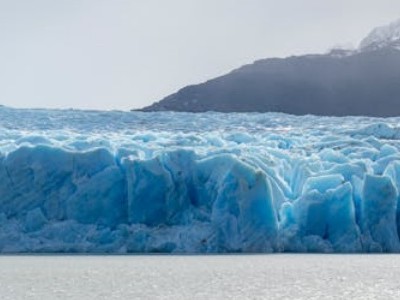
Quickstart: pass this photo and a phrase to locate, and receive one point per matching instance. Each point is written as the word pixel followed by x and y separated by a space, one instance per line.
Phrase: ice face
pixel 90 181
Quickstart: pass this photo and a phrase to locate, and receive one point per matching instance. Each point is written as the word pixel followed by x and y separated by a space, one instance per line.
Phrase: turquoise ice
pixel 123 182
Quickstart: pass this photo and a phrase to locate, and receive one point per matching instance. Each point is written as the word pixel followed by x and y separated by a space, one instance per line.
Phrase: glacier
pixel 75 181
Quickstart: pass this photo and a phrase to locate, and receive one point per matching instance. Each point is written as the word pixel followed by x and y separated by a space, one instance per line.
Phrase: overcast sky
pixel 122 54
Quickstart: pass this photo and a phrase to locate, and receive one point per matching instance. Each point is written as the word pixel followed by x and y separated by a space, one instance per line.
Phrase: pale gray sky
pixel 122 54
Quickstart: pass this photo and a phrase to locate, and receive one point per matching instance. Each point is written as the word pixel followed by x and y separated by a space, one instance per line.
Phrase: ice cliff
pixel 90 181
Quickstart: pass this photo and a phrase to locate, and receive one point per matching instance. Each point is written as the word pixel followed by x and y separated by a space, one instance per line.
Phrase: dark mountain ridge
pixel 360 82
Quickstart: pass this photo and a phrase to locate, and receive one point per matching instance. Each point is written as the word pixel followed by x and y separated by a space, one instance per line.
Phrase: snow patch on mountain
pixel 382 37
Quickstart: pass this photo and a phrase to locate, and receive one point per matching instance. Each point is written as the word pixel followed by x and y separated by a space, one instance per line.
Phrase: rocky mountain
pixel 382 37
pixel 365 81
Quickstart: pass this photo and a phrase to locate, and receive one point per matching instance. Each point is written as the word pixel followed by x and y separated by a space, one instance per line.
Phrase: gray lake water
pixel 200 277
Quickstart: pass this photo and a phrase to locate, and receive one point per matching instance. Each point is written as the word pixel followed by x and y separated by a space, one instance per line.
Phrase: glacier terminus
pixel 133 182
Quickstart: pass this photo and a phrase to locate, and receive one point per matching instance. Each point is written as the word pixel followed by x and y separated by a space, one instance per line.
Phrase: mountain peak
pixel 382 37
pixel 342 82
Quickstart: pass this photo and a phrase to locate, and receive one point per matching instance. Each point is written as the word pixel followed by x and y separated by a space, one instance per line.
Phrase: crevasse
pixel 118 182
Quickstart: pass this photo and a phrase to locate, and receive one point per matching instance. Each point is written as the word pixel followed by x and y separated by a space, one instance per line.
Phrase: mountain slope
pixel 381 37
pixel 361 82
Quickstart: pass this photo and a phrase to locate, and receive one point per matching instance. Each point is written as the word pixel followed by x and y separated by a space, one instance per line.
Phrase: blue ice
pixel 124 182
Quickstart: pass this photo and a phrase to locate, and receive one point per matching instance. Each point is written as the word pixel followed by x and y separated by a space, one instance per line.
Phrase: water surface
pixel 200 277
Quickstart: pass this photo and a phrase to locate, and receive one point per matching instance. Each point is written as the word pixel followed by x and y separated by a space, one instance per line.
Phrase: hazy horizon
pixel 127 54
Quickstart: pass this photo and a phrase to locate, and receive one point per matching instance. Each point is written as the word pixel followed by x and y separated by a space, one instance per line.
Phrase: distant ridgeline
pixel 365 81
